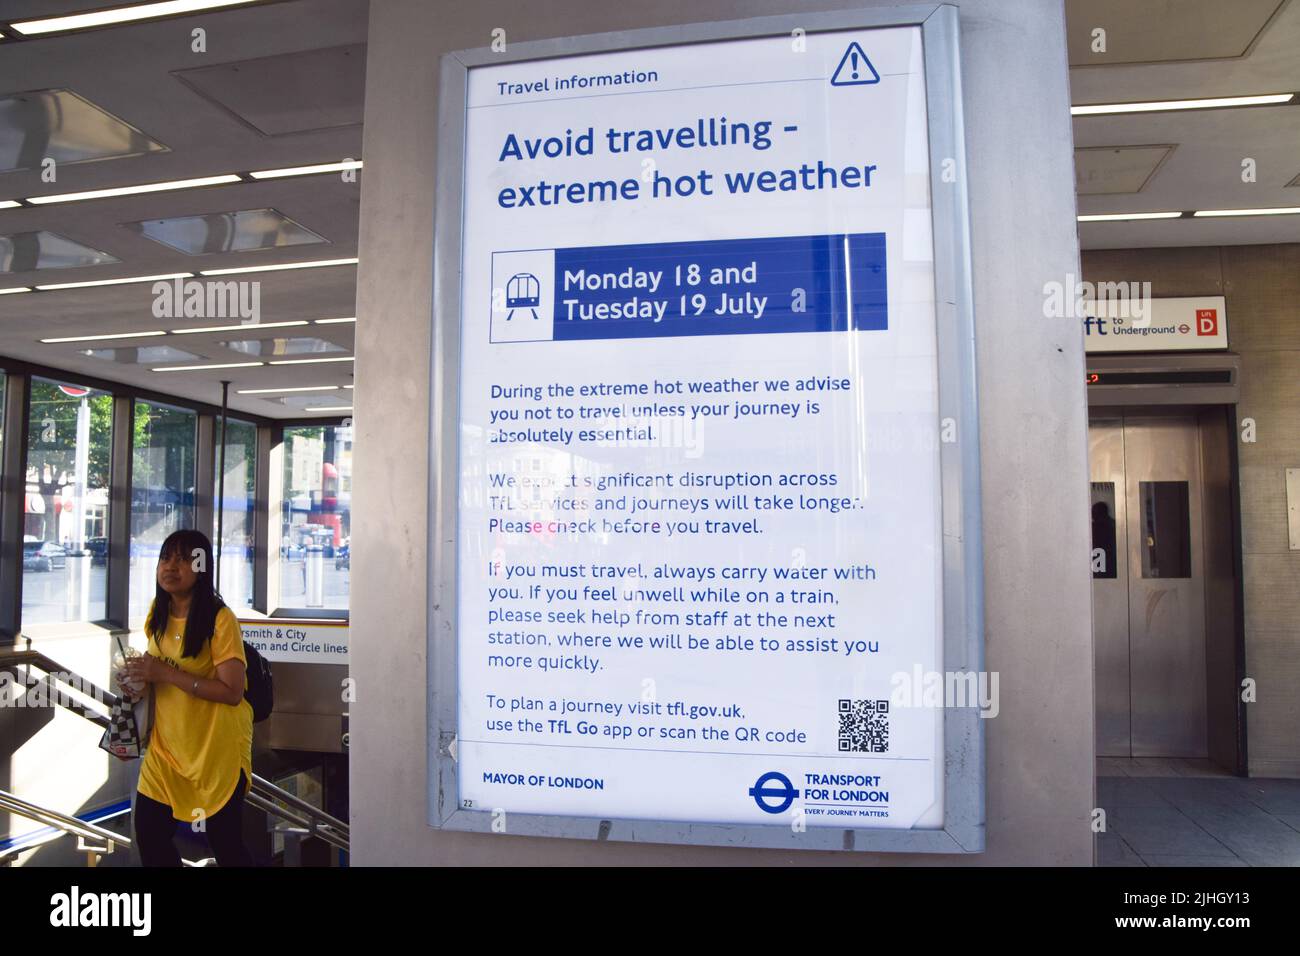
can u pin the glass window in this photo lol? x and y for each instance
(1103, 529)
(162, 491)
(1166, 532)
(236, 513)
(316, 516)
(65, 520)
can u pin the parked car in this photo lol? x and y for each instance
(43, 556)
(98, 548)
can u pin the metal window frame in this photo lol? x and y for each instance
(13, 493)
(208, 520)
(962, 548)
(262, 517)
(117, 604)
(205, 463)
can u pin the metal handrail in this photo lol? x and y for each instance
(270, 791)
(262, 793)
(60, 821)
(326, 833)
(56, 674)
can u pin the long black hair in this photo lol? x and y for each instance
(205, 602)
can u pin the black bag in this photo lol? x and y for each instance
(260, 692)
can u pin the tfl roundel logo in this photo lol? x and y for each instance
(773, 792)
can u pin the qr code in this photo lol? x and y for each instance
(864, 726)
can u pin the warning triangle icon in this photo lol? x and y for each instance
(854, 69)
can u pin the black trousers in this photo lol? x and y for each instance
(155, 831)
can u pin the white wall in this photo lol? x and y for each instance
(1033, 424)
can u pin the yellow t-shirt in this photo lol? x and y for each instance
(197, 747)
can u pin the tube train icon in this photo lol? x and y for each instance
(523, 291)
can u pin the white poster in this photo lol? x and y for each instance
(699, 571)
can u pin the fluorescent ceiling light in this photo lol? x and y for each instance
(139, 11)
(315, 361)
(83, 285)
(133, 190)
(278, 391)
(306, 170)
(20, 288)
(199, 368)
(1157, 106)
(9, 203)
(1118, 216)
(334, 321)
(239, 328)
(347, 386)
(319, 263)
(1274, 211)
(329, 408)
(96, 338)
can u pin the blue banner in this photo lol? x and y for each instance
(832, 283)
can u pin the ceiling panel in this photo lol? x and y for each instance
(1102, 170)
(31, 252)
(62, 126)
(140, 355)
(1155, 31)
(291, 93)
(1224, 158)
(301, 295)
(244, 230)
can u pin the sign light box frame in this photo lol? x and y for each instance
(963, 642)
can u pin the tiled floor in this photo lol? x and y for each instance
(1188, 813)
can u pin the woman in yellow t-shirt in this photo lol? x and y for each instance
(198, 763)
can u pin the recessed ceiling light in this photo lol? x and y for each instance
(100, 18)
(84, 285)
(199, 368)
(96, 338)
(318, 264)
(334, 321)
(134, 190)
(278, 391)
(329, 408)
(253, 326)
(306, 170)
(9, 203)
(10, 291)
(1159, 106)
(314, 361)
(1118, 216)
(1273, 211)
